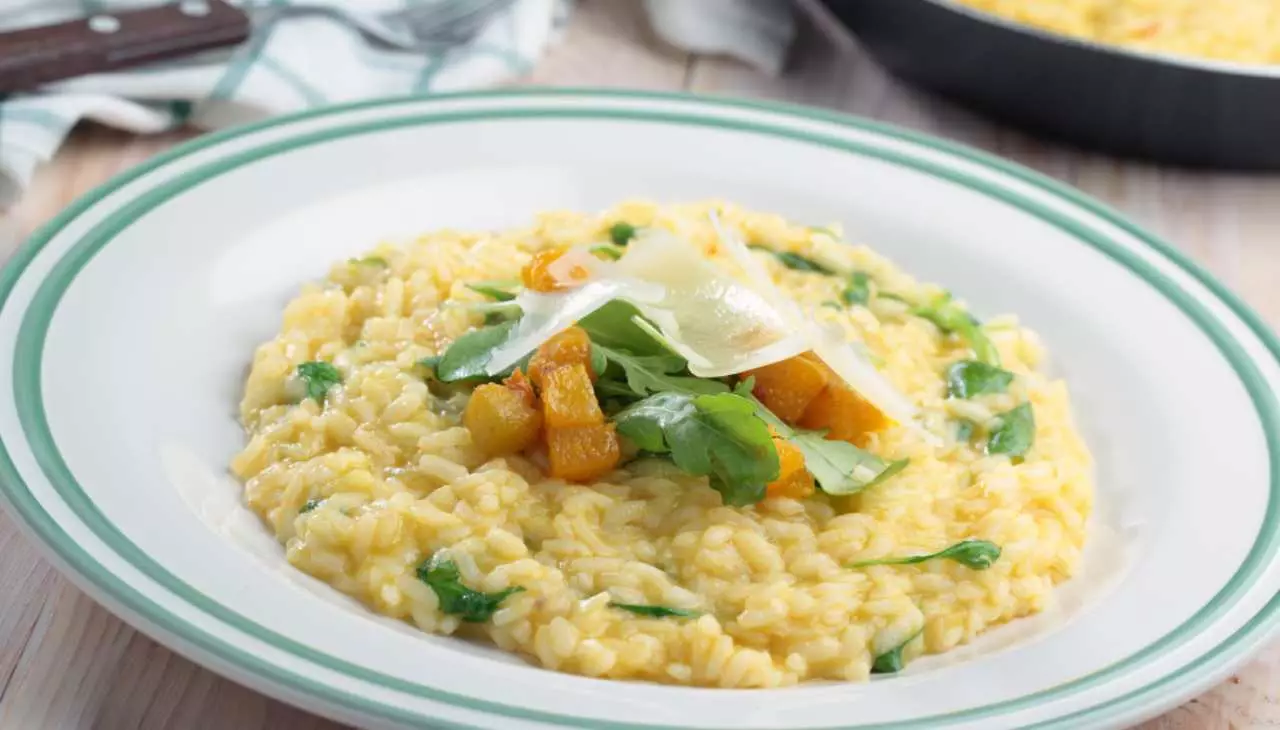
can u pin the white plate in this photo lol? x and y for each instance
(131, 319)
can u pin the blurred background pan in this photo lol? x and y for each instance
(1173, 109)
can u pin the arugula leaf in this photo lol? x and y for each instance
(858, 290)
(891, 661)
(648, 374)
(441, 574)
(599, 361)
(319, 378)
(964, 430)
(1015, 433)
(718, 436)
(655, 611)
(950, 318)
(794, 261)
(621, 233)
(468, 355)
(614, 325)
(839, 467)
(975, 554)
(604, 251)
(310, 505)
(968, 378)
(492, 289)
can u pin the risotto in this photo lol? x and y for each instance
(688, 444)
(1247, 31)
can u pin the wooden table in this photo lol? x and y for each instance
(66, 663)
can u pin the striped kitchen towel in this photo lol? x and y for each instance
(299, 59)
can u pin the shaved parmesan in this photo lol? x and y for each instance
(841, 356)
(546, 315)
(718, 324)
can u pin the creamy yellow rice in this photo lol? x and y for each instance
(401, 479)
(1247, 31)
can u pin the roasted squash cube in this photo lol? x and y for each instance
(845, 415)
(571, 347)
(788, 387)
(582, 453)
(568, 400)
(502, 420)
(520, 384)
(794, 480)
(539, 275)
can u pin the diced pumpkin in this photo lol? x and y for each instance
(568, 400)
(520, 384)
(788, 387)
(502, 420)
(793, 479)
(538, 275)
(535, 274)
(845, 415)
(582, 453)
(571, 347)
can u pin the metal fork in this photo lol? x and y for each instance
(419, 28)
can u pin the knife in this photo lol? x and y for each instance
(111, 41)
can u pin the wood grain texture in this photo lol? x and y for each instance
(66, 663)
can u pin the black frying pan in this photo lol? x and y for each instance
(1170, 108)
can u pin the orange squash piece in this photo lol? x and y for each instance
(537, 274)
(568, 400)
(502, 419)
(845, 415)
(571, 347)
(788, 387)
(583, 453)
(793, 479)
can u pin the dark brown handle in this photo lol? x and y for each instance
(110, 41)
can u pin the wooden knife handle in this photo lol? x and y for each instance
(109, 41)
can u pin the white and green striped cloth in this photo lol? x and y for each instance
(305, 60)
(297, 62)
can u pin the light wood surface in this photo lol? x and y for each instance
(66, 663)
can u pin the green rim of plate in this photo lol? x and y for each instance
(29, 399)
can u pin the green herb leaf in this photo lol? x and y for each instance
(655, 611)
(319, 378)
(1015, 433)
(839, 467)
(718, 436)
(614, 326)
(950, 318)
(891, 661)
(441, 574)
(599, 360)
(468, 355)
(605, 251)
(794, 261)
(648, 374)
(975, 554)
(964, 431)
(621, 233)
(858, 290)
(968, 378)
(310, 505)
(372, 261)
(491, 289)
